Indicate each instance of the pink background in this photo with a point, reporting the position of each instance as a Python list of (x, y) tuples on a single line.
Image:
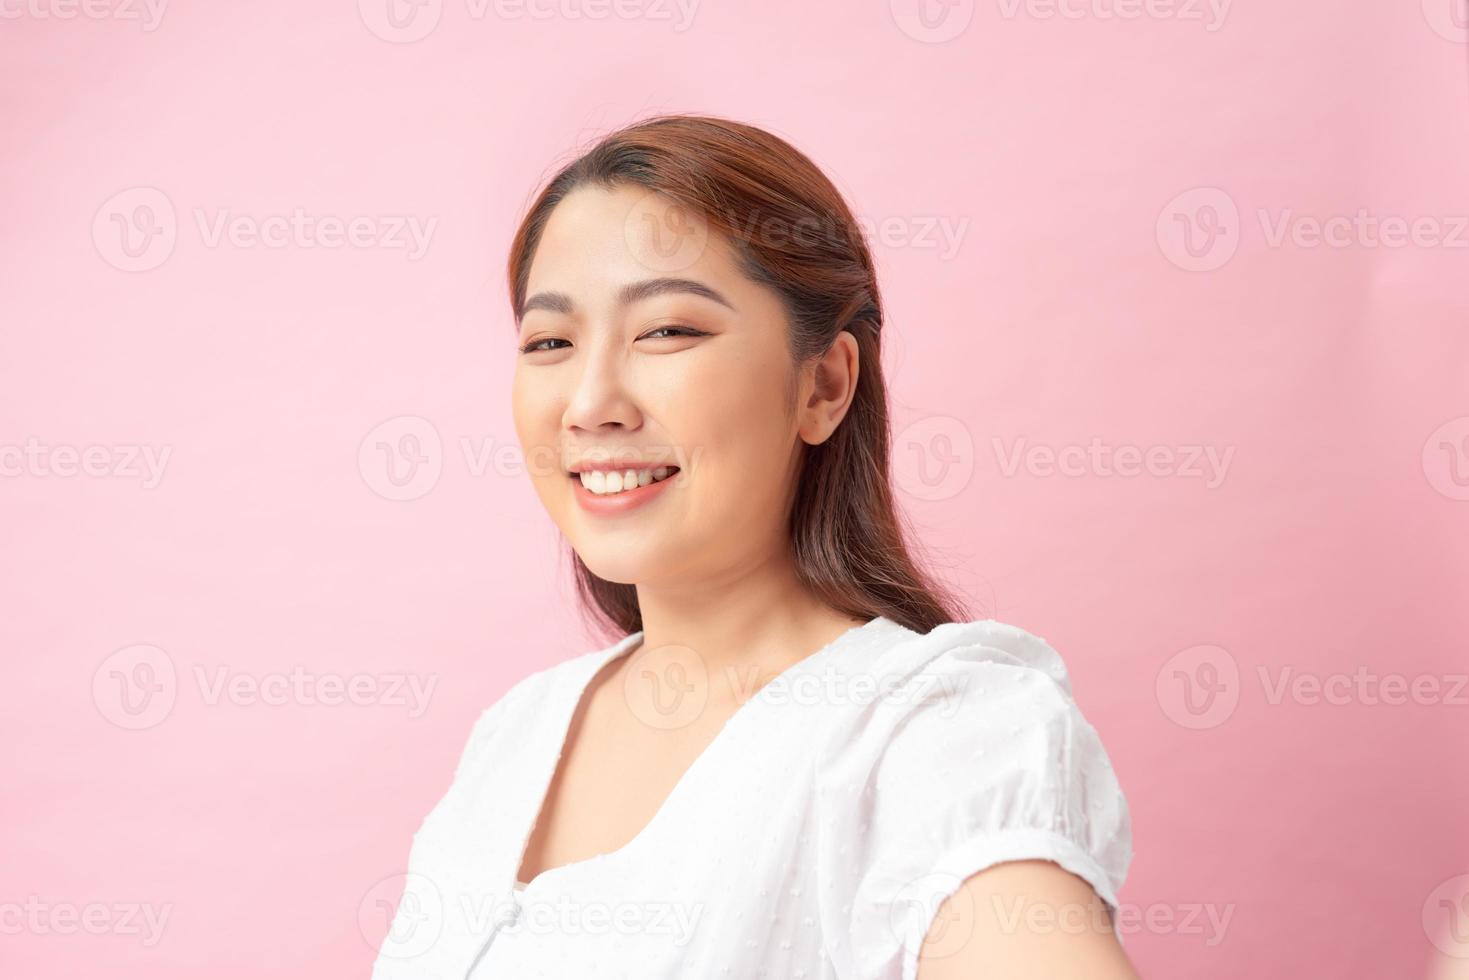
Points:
[(1109, 275)]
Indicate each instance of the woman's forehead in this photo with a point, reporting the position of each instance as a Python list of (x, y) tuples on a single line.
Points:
[(598, 242)]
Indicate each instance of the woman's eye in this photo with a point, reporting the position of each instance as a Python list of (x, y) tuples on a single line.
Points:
[(536, 345), (672, 331)]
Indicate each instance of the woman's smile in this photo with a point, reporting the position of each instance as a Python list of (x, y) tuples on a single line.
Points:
[(605, 490)]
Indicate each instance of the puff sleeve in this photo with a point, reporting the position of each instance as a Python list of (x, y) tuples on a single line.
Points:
[(975, 755)]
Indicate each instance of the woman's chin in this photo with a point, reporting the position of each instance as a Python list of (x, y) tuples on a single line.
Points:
[(636, 566)]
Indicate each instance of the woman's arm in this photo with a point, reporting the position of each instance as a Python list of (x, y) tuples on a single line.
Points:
[(1021, 920)]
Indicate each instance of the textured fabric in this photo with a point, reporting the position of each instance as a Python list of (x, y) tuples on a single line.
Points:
[(814, 838)]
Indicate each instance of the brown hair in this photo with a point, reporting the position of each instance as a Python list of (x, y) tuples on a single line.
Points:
[(793, 232)]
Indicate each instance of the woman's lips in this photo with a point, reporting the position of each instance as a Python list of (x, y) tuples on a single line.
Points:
[(615, 504)]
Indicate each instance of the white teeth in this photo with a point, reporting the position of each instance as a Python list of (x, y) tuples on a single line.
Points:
[(614, 481)]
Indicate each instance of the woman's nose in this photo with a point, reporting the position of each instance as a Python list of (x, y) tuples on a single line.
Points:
[(601, 397)]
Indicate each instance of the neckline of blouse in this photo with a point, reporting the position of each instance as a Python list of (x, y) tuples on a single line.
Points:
[(625, 647)]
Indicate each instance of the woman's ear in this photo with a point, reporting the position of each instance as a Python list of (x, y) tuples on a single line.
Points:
[(828, 383)]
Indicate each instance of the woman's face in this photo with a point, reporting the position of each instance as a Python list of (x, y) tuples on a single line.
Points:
[(644, 345)]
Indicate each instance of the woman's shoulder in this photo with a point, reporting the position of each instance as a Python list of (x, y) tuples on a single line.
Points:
[(973, 752), (967, 671), (991, 681), (999, 691), (980, 643)]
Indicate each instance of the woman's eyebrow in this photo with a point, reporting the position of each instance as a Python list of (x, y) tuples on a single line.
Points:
[(633, 292)]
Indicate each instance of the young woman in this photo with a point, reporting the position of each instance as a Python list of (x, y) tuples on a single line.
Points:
[(799, 760)]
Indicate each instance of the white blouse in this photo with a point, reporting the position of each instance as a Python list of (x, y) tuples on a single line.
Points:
[(814, 837)]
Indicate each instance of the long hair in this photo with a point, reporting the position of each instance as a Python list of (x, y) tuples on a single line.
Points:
[(793, 232)]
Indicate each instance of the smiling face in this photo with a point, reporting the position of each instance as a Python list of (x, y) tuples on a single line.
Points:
[(644, 343)]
